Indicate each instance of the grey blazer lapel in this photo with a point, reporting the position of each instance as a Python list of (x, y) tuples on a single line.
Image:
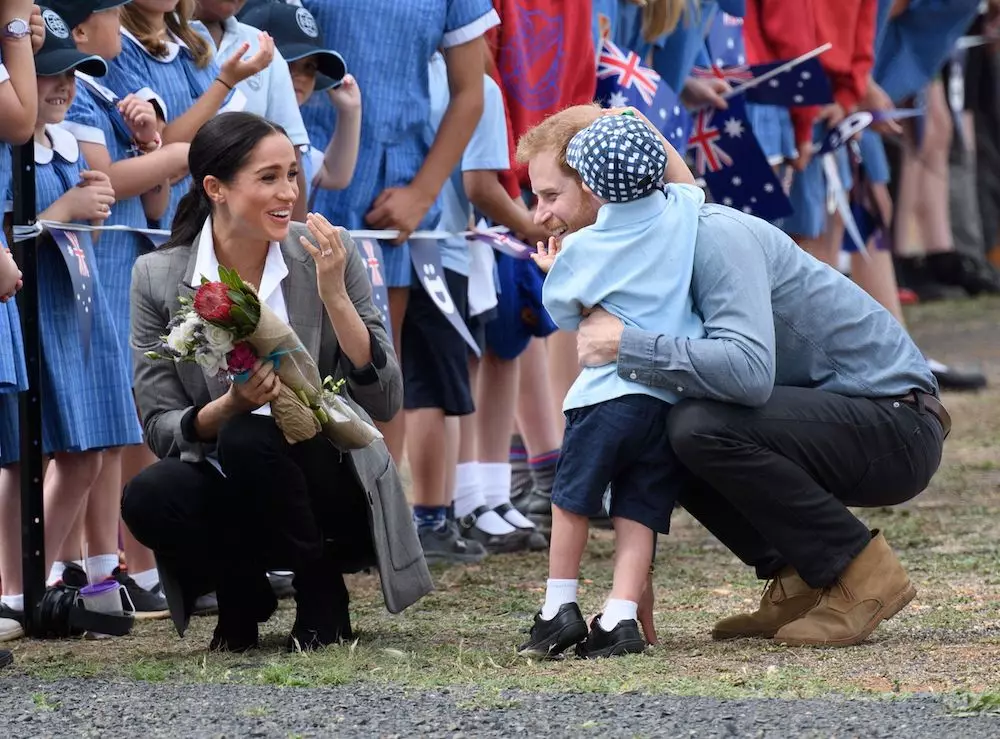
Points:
[(302, 301)]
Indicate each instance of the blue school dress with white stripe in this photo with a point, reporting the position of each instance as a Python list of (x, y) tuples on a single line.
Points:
[(174, 77), (85, 404), (13, 374), (94, 118), (395, 137)]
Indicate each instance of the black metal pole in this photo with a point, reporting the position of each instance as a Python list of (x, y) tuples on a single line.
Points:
[(32, 519)]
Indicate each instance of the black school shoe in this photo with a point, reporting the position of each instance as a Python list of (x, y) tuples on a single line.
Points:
[(624, 638), (548, 639), (514, 541)]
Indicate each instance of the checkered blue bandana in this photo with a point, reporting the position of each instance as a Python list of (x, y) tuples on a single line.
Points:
[(619, 158)]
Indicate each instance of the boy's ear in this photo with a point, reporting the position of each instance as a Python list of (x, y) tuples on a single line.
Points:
[(79, 35)]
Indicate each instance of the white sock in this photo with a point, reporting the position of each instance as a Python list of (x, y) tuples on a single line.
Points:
[(469, 497), (557, 594), (78, 563), (495, 477), (55, 573), (147, 579), (13, 601), (617, 611), (99, 568)]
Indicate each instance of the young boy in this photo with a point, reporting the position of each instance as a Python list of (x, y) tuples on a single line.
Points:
[(635, 262)]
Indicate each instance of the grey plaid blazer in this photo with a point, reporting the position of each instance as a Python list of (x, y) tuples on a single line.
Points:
[(165, 391)]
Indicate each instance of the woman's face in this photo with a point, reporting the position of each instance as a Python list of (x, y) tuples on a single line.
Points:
[(303, 78), (156, 7), (214, 11), (258, 201), (55, 95), (102, 31)]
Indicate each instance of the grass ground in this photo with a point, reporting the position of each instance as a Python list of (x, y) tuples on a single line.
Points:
[(947, 641)]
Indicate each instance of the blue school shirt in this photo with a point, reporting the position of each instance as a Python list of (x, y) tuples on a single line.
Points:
[(268, 93), (395, 95), (916, 44), (178, 82), (487, 150), (636, 263)]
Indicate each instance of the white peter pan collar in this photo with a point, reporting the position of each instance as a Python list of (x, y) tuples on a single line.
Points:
[(64, 144), (96, 86)]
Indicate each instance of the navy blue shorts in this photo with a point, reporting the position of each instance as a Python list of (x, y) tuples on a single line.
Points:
[(622, 442), (435, 357)]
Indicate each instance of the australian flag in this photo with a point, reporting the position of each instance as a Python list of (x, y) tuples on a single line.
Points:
[(622, 81), (725, 41), (729, 158)]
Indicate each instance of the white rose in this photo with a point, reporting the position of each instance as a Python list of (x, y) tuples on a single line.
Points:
[(219, 340), (211, 363), (181, 335)]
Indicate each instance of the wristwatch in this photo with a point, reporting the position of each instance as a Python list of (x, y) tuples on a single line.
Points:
[(17, 28)]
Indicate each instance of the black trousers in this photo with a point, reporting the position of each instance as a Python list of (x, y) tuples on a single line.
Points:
[(279, 505), (773, 483)]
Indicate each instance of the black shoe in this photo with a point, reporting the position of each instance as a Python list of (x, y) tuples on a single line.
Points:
[(950, 378), (537, 508), (322, 615), (535, 539), (205, 605), (514, 541), (8, 612), (148, 604), (964, 271), (550, 638), (447, 546), (624, 638), (238, 637), (74, 576), (6, 658), (281, 584), (913, 274)]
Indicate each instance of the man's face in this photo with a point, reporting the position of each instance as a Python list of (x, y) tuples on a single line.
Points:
[(563, 205)]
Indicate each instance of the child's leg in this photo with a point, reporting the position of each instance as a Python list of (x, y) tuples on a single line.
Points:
[(67, 483), (10, 537), (101, 518), (633, 554), (569, 539)]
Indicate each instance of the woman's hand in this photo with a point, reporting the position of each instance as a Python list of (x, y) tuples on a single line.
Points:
[(346, 96), (140, 117), (260, 388), (235, 69), (330, 258), (545, 255), (598, 339)]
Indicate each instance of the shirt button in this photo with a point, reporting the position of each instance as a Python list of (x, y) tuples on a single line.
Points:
[(633, 376)]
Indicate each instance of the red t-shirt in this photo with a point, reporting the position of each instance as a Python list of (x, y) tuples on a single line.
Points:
[(545, 61)]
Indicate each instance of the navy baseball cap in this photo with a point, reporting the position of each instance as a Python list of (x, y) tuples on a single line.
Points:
[(297, 35), (59, 53), (75, 12), (618, 157)]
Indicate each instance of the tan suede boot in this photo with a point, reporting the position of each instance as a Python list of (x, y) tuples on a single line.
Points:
[(872, 589), (787, 597)]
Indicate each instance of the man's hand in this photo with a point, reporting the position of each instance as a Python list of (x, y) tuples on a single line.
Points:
[(598, 338), (646, 611), (545, 255)]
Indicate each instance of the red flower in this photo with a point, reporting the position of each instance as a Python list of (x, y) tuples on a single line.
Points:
[(212, 302), (242, 358)]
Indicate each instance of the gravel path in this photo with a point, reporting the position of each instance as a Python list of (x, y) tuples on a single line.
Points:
[(92, 708)]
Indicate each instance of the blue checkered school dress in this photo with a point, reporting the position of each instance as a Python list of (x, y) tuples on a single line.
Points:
[(387, 45), (94, 118), (175, 78), (85, 404)]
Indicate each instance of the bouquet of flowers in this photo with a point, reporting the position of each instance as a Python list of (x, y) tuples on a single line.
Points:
[(225, 328)]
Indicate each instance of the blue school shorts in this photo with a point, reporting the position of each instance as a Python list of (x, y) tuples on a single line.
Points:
[(622, 442)]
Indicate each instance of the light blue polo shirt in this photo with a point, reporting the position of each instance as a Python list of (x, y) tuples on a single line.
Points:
[(487, 150)]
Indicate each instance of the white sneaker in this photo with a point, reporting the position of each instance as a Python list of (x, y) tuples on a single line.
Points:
[(10, 629)]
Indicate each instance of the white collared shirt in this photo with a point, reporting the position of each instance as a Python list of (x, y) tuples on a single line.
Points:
[(275, 270), (269, 93)]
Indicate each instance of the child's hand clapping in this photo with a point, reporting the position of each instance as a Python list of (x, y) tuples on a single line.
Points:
[(347, 95), (545, 255), (140, 117)]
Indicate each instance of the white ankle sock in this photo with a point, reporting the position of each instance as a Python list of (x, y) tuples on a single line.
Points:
[(558, 593), (55, 573), (616, 611), (99, 568), (495, 477), (13, 601), (147, 579), (469, 497)]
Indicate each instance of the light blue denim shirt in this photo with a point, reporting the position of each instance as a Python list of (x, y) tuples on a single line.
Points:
[(624, 264), (773, 315)]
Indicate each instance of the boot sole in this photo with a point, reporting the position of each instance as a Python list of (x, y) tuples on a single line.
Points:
[(634, 646), (894, 606), (566, 637)]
